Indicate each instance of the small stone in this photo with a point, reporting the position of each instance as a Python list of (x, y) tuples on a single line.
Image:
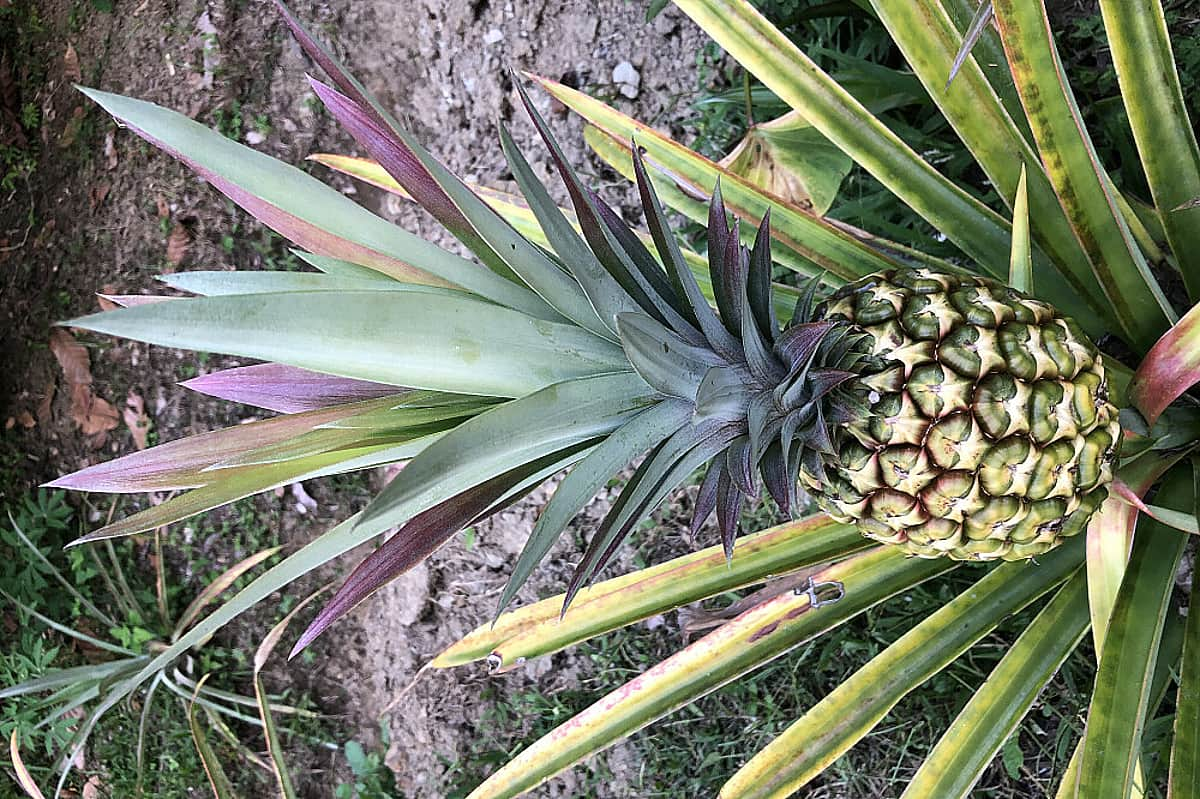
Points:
[(254, 138), (626, 76), (493, 36)]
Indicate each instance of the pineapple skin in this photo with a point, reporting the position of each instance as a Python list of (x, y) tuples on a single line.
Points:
[(990, 436)]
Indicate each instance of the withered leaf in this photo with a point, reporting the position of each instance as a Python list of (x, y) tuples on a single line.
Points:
[(93, 415), (177, 244), (71, 69), (136, 419)]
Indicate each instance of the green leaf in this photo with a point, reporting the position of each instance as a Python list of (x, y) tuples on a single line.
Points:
[(1083, 187), (1141, 50), (1185, 750), (534, 630), (797, 80), (287, 789), (232, 484), (1112, 743), (994, 713), (217, 779), (307, 211), (757, 636), (927, 36), (447, 343), (677, 171), (1020, 270), (861, 701), (508, 435), (605, 293), (219, 283), (586, 478)]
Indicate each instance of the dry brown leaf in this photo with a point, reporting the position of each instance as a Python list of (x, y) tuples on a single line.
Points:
[(26, 420), (105, 303), (93, 415), (71, 69), (71, 356), (110, 151), (160, 203), (177, 244), (43, 408), (97, 194), (10, 423), (72, 128), (93, 788), (136, 419)]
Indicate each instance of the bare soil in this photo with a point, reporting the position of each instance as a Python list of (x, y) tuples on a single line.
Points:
[(104, 213)]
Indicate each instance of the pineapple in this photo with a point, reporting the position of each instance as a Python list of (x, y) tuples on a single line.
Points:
[(940, 412), (990, 434)]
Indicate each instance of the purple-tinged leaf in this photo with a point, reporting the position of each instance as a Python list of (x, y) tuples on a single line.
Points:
[(758, 283), (420, 536), (302, 231), (594, 229), (180, 464), (662, 471), (381, 140), (729, 508), (1171, 368), (721, 341), (775, 476), (286, 389), (706, 497), (799, 342), (740, 465)]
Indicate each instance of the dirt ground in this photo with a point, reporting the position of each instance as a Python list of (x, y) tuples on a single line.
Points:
[(104, 213)]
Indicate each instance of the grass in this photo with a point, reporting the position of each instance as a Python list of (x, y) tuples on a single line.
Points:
[(120, 583)]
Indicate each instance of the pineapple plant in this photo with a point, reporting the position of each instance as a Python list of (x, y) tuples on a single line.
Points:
[(949, 410)]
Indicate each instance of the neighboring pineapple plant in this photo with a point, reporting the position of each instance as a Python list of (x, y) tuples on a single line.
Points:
[(921, 402)]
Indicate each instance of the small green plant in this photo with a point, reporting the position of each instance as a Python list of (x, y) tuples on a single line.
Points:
[(109, 624), (372, 778)]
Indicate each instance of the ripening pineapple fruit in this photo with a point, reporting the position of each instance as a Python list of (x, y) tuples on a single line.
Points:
[(989, 435), (941, 412)]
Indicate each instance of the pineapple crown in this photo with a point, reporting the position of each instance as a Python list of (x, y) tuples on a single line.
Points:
[(780, 394)]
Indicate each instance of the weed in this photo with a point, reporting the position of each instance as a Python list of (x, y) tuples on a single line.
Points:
[(372, 778)]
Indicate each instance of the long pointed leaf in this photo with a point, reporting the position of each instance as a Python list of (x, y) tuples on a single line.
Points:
[(533, 630), (438, 342), (307, 211), (1112, 743), (1141, 49), (754, 638), (1185, 749), (824, 244), (860, 702), (586, 478), (495, 236), (496, 441), (419, 537), (952, 768), (285, 389), (926, 35), (1083, 187), (180, 464), (799, 82)]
